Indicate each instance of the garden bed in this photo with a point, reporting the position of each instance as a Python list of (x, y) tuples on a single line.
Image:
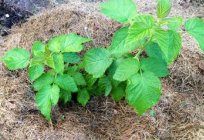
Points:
[(179, 114)]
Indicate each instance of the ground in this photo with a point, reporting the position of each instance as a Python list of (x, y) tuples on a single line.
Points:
[(179, 114)]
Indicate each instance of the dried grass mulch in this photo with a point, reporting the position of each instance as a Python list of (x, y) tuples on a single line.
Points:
[(179, 115)]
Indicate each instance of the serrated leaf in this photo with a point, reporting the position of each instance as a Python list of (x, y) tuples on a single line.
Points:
[(115, 83), (105, 85), (174, 23), (72, 69), (74, 43), (119, 10), (90, 80), (126, 69), (66, 82), (143, 91), (51, 72), (38, 49), (154, 65), (72, 58), (174, 47), (153, 50), (195, 27), (58, 60), (83, 97), (55, 43), (141, 29), (36, 61), (67, 43), (163, 8), (65, 96), (78, 78), (49, 58), (44, 80), (16, 58), (50, 62), (147, 19), (112, 69), (169, 43), (96, 61), (118, 45), (35, 71), (162, 39), (118, 93), (47, 97)]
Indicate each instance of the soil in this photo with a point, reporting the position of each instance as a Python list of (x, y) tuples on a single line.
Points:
[(179, 114), (9, 17)]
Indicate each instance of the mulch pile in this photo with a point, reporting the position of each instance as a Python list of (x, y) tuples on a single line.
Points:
[(179, 114)]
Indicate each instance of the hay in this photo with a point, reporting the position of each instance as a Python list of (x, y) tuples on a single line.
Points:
[(63, 20), (179, 115)]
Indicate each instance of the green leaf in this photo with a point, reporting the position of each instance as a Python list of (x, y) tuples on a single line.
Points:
[(50, 62), (72, 58), (154, 65), (112, 69), (143, 91), (119, 10), (90, 80), (58, 60), (118, 45), (67, 43), (55, 43), (118, 93), (105, 85), (147, 19), (169, 43), (141, 29), (174, 47), (163, 8), (96, 61), (49, 58), (195, 27), (44, 80), (162, 38), (47, 97), (115, 83), (79, 78), (126, 69), (174, 23), (35, 71), (83, 97), (38, 49), (72, 69), (36, 61), (65, 96), (16, 58), (66, 82), (153, 50), (74, 43)]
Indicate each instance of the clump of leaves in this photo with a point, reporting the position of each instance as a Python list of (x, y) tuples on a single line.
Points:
[(157, 42), (53, 69), (130, 68)]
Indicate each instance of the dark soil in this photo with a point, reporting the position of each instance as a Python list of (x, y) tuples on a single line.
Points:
[(15, 12), (10, 16)]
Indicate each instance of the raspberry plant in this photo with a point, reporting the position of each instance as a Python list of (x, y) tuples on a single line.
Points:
[(53, 69), (130, 68)]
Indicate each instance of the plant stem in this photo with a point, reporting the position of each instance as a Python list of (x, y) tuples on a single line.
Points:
[(142, 48), (139, 52)]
